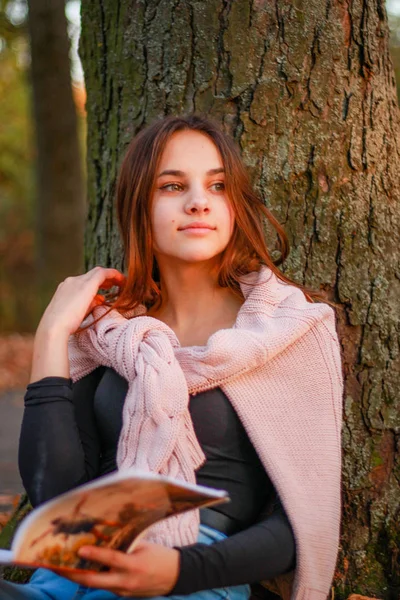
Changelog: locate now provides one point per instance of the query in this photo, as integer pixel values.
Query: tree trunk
(307, 90)
(60, 198)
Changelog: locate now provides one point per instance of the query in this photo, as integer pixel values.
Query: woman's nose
(197, 202)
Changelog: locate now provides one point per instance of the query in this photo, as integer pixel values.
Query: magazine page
(6, 557)
(111, 512)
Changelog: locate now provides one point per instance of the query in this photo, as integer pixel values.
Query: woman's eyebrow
(178, 173)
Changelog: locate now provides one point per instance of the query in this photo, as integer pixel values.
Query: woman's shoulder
(265, 289)
(285, 307)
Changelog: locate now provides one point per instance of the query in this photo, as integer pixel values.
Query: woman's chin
(196, 257)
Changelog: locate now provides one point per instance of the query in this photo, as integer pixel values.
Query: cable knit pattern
(280, 367)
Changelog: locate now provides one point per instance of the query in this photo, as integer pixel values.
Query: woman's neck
(194, 305)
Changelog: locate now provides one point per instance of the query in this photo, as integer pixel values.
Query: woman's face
(192, 217)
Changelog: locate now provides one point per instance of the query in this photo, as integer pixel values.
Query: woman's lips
(197, 228)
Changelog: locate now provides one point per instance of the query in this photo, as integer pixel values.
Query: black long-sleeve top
(70, 434)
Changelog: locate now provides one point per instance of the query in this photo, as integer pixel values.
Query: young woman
(208, 364)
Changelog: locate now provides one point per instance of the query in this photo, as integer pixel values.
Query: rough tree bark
(307, 90)
(61, 207)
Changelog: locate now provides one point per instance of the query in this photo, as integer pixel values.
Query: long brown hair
(247, 249)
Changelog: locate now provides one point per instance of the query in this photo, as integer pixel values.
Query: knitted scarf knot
(157, 433)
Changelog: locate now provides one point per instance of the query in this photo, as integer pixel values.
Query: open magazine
(113, 511)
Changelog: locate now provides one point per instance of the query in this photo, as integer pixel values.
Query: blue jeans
(46, 585)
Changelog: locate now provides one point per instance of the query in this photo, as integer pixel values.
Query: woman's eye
(176, 187)
(172, 187)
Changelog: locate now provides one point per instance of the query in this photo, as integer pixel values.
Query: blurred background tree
(60, 210)
(42, 207)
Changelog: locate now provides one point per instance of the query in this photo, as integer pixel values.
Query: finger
(98, 300)
(106, 556)
(106, 278)
(103, 273)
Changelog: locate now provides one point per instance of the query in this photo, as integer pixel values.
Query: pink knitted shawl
(280, 367)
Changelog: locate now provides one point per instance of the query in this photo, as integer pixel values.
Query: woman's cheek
(162, 222)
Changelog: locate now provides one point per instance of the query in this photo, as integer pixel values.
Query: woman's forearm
(59, 446)
(50, 354)
(50, 457)
(261, 552)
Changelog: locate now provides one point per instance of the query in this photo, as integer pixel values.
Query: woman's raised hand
(73, 300)
(76, 297)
